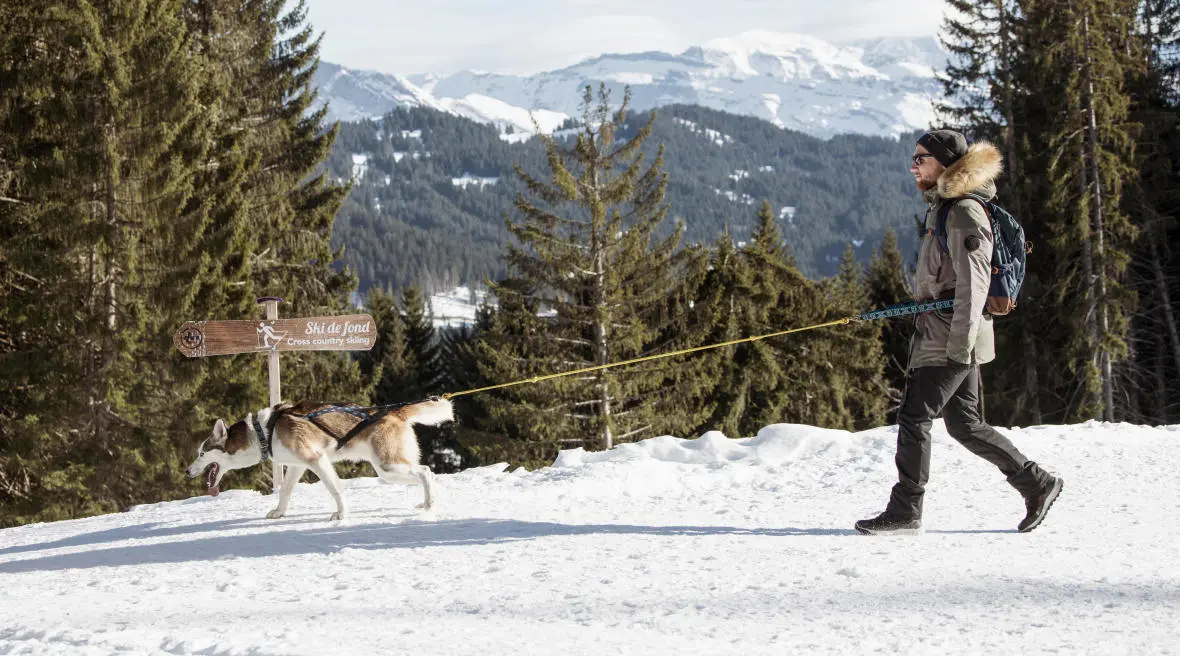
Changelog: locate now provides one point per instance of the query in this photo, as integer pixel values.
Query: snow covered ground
(669, 546)
(457, 307)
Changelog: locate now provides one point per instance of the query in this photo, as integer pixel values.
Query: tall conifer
(1087, 143)
(851, 362)
(590, 259)
(886, 285)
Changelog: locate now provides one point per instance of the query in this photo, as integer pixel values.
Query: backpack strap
(944, 211)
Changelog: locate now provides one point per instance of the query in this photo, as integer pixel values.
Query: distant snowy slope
(877, 87)
(354, 94)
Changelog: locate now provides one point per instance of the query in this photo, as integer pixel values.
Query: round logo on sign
(192, 337)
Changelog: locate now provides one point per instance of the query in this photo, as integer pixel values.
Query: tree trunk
(1160, 416)
(1030, 398)
(1149, 34)
(602, 314)
(108, 344)
(112, 220)
(1161, 284)
(1090, 315)
(1032, 383)
(1098, 224)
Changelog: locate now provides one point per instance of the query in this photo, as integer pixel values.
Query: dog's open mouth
(211, 479)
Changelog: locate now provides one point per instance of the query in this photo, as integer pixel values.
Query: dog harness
(264, 436)
(368, 415)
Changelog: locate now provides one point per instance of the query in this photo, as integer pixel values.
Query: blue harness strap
(354, 410)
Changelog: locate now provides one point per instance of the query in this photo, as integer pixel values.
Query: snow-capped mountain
(876, 87)
(353, 95)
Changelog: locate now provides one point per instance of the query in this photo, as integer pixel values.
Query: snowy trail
(667, 546)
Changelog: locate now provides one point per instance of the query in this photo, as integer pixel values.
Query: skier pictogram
(266, 334)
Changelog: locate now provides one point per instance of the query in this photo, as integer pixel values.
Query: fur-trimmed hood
(976, 170)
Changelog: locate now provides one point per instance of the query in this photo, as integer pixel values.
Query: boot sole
(899, 531)
(1056, 492)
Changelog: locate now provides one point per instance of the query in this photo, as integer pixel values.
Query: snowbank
(666, 546)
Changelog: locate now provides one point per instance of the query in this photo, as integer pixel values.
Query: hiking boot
(1038, 503)
(888, 524)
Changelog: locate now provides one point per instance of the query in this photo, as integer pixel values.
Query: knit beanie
(947, 146)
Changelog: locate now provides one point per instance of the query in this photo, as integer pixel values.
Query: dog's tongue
(210, 480)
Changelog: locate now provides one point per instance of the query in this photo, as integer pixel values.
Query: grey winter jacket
(964, 334)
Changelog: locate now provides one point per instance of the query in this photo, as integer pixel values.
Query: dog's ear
(219, 431)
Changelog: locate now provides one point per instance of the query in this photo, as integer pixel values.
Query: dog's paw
(274, 514)
(423, 506)
(337, 516)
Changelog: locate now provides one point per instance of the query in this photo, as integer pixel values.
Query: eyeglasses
(917, 160)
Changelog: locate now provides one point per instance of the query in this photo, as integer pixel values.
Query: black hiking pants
(953, 392)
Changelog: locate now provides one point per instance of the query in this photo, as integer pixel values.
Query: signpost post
(277, 471)
(352, 332)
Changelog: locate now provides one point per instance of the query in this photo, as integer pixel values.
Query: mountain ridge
(875, 87)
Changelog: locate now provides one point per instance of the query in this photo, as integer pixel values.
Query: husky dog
(314, 435)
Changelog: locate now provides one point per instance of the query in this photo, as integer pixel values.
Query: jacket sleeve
(969, 240)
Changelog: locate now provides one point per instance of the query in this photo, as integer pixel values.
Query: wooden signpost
(351, 332)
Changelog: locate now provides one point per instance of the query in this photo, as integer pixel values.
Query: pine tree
(1153, 202)
(422, 350)
(145, 148)
(143, 142)
(587, 259)
(782, 298)
(752, 291)
(273, 218)
(426, 375)
(717, 315)
(1077, 146)
(979, 37)
(213, 265)
(108, 169)
(1088, 141)
(289, 204)
(386, 362)
(981, 83)
(886, 286)
(458, 353)
(990, 95)
(42, 282)
(852, 372)
(511, 424)
(459, 365)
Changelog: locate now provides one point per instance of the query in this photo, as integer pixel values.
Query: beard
(926, 185)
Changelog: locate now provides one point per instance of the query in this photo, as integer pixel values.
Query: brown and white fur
(389, 444)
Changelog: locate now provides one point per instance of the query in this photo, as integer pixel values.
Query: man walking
(948, 347)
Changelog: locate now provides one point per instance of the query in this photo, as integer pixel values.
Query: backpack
(1008, 254)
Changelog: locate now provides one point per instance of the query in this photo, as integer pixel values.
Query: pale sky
(527, 36)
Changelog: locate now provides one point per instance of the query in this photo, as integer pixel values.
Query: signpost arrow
(353, 332)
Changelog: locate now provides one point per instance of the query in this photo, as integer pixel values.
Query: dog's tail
(431, 412)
